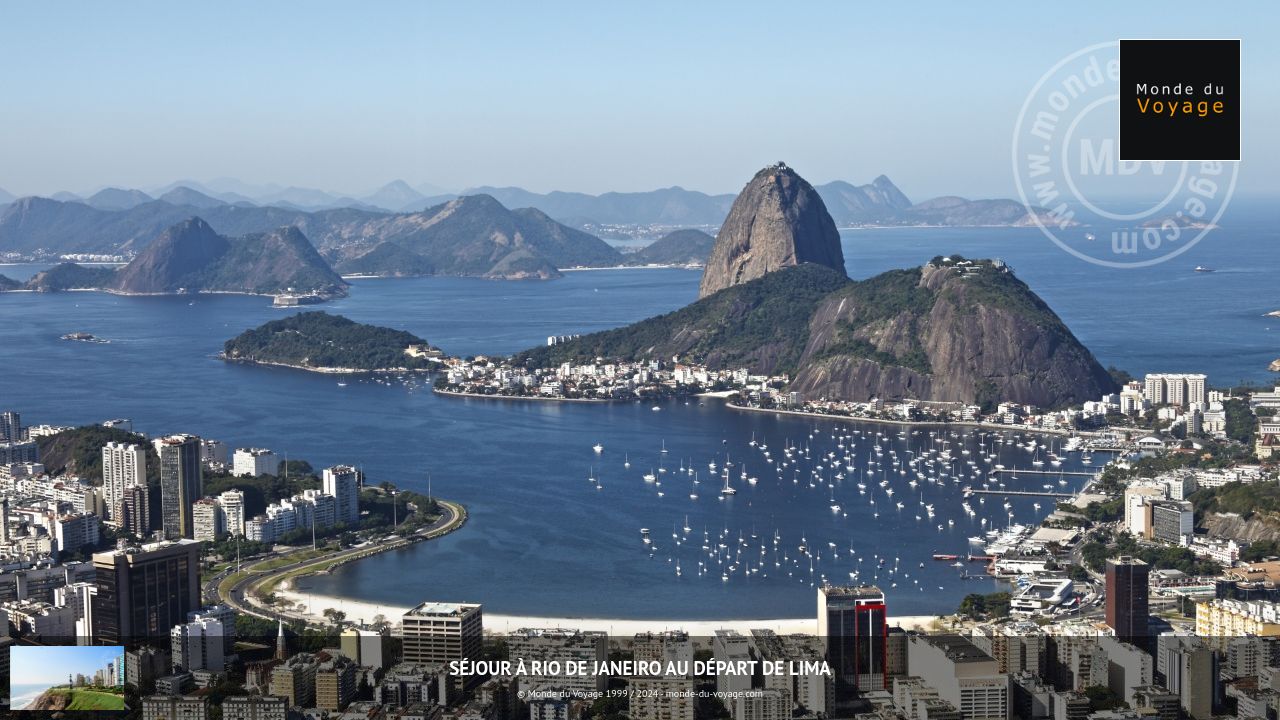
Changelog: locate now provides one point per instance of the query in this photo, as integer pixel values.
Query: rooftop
(956, 648)
(442, 609)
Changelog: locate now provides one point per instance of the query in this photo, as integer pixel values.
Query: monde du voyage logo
(1124, 152)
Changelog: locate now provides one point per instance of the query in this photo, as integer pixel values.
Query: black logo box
(1183, 65)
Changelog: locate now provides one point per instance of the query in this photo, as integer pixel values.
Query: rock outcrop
(777, 221)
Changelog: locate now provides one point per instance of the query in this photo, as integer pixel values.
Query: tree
(335, 616)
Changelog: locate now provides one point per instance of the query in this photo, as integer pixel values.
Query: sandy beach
(356, 610)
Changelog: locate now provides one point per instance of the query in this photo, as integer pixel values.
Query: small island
(85, 337)
(319, 342)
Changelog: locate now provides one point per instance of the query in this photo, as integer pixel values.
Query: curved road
(236, 595)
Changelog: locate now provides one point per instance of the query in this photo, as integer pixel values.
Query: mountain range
(775, 298)
(877, 203)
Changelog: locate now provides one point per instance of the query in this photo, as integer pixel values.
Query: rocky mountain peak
(777, 221)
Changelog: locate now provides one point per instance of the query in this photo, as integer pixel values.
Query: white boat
(598, 448)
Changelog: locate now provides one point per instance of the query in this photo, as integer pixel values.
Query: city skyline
(606, 100)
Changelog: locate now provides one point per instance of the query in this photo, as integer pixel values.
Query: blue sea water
(541, 539)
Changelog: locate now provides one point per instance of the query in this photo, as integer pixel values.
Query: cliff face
(778, 220)
(965, 331)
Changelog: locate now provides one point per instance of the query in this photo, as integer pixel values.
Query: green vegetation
(71, 276)
(879, 300)
(993, 605)
(1159, 557)
(79, 451)
(1242, 424)
(1260, 550)
(320, 340)
(97, 698)
(1245, 500)
(1103, 698)
(763, 324)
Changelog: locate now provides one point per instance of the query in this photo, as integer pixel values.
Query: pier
(1055, 473)
(1027, 493)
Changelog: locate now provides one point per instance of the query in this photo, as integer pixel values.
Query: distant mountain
(882, 203)
(778, 220)
(300, 198)
(474, 235)
(852, 203)
(70, 276)
(396, 196)
(681, 247)
(190, 256)
(387, 259)
(5, 197)
(185, 196)
(64, 196)
(668, 206)
(117, 199)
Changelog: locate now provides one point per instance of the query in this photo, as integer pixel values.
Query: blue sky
(571, 96)
(32, 665)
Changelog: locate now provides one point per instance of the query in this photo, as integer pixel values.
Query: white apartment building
(1179, 389)
(206, 519)
(342, 482)
(231, 502)
(252, 462)
(124, 465)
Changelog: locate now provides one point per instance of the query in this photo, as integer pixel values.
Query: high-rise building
(853, 622)
(441, 632)
(962, 674)
(232, 504)
(1127, 611)
(144, 591)
(181, 483)
(11, 426)
(124, 465)
(367, 647)
(199, 645)
(135, 510)
(341, 481)
(1182, 389)
(335, 683)
(206, 520)
(1173, 521)
(295, 680)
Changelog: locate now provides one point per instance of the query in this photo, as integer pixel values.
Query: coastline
(323, 370)
(919, 423)
(363, 611)
(539, 398)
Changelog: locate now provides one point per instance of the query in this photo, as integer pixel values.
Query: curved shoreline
(240, 593)
(922, 423)
(321, 370)
(539, 398)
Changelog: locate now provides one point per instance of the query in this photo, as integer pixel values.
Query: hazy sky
(31, 665)
(589, 97)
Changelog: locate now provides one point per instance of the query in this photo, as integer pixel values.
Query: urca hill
(776, 298)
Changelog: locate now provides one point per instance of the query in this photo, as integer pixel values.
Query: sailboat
(626, 461)
(727, 489)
